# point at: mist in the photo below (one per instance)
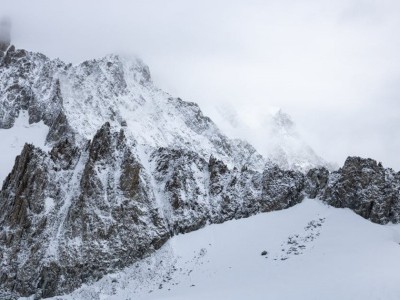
(334, 66)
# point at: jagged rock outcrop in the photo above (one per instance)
(73, 215)
(197, 192)
(316, 180)
(364, 186)
(22, 203)
(282, 188)
(28, 82)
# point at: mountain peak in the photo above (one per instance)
(282, 122)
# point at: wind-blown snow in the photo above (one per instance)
(314, 251)
(13, 140)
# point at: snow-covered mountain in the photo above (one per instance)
(115, 90)
(116, 167)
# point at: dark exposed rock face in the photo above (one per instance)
(22, 202)
(60, 129)
(316, 180)
(200, 192)
(282, 188)
(367, 188)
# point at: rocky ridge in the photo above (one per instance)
(129, 167)
(363, 185)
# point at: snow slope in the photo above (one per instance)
(13, 140)
(314, 251)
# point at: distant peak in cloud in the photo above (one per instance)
(283, 122)
(275, 137)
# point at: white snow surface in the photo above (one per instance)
(13, 140)
(314, 251)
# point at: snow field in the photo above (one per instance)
(313, 252)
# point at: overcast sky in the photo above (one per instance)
(334, 66)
